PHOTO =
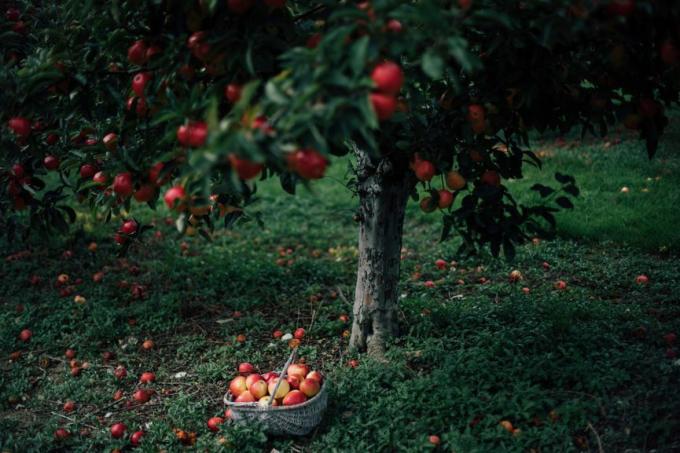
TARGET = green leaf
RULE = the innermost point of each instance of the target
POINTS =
(564, 202)
(432, 65)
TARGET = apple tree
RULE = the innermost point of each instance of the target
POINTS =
(113, 106)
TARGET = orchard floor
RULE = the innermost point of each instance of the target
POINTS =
(585, 368)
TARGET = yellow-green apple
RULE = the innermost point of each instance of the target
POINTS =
(283, 389)
(238, 385)
(264, 401)
(258, 389)
(316, 375)
(294, 397)
(310, 387)
(298, 369)
(253, 378)
(245, 397)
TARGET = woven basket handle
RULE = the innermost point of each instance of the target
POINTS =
(282, 375)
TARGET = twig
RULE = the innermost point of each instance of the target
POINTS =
(72, 420)
(342, 296)
(597, 437)
(314, 312)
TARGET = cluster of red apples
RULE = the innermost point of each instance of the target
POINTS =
(299, 385)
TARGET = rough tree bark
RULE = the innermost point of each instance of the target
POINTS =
(383, 187)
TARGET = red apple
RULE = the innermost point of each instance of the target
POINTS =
(642, 279)
(18, 170)
(299, 333)
(298, 369)
(244, 168)
(252, 378)
(139, 82)
(316, 375)
(136, 438)
(129, 227)
(214, 423)
(70, 354)
(294, 397)
(69, 406)
(238, 385)
(258, 389)
(309, 163)
(277, 334)
(122, 184)
(424, 170)
(384, 105)
(61, 434)
(198, 132)
(445, 199)
(173, 195)
(269, 376)
(441, 264)
(560, 284)
(20, 126)
(117, 395)
(141, 396)
(491, 178)
(434, 439)
(147, 377)
(233, 92)
(12, 14)
(387, 77)
(137, 53)
(25, 335)
(353, 363)
(120, 372)
(293, 381)
(87, 171)
(310, 387)
(245, 397)
(51, 162)
(100, 178)
(118, 430)
(145, 193)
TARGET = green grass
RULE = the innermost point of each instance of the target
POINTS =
(568, 368)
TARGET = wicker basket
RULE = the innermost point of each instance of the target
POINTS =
(295, 420)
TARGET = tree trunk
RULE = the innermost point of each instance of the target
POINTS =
(383, 189)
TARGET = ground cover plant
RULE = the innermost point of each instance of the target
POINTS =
(182, 183)
(569, 369)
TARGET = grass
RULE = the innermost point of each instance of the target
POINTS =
(569, 369)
